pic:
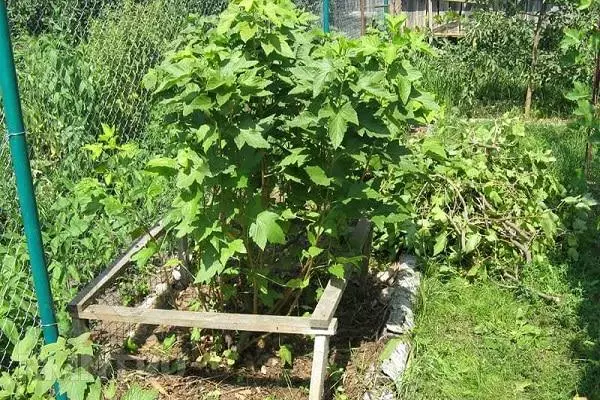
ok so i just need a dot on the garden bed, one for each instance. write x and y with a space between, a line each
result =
260 373
154 333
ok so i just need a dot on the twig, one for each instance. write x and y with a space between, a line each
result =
554 299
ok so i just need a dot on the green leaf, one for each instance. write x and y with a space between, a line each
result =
163 166
196 174
324 71
143 256
472 243
82 344
404 88
280 45
349 113
337 129
95 390
440 244
247 31
23 349
96 149
298 283
201 102
265 229
317 175
295 158
337 270
338 123
233 248
285 354
169 341
9 329
412 73
314 251
433 148
252 138
137 393
584 4
580 92
110 390
246 4
76 383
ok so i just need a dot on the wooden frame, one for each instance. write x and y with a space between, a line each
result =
321 324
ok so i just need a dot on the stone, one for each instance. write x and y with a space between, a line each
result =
402 281
402 296
152 340
386 395
394 366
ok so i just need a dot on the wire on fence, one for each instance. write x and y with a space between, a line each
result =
18 308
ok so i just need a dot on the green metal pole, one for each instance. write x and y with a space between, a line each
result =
326 16
20 160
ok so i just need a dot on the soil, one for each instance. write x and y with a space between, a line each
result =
174 372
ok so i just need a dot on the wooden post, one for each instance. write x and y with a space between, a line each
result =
79 326
534 58
430 14
363 20
319 367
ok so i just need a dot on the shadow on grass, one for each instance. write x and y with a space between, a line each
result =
583 275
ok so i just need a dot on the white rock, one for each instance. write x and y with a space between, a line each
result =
402 297
394 366
176 273
385 295
386 395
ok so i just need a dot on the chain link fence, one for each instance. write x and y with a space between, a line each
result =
80 64
353 17
18 308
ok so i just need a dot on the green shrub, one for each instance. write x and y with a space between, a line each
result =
483 200
278 133
38 368
489 67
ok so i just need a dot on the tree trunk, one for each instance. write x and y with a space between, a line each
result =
363 18
395 7
534 58
589 151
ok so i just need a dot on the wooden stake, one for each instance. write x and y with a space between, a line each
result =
363 22
319 368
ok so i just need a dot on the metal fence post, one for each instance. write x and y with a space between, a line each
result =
326 16
20 160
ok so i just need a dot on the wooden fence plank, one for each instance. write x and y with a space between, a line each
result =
93 289
319 368
207 320
328 303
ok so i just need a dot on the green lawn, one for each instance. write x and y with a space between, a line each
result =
482 341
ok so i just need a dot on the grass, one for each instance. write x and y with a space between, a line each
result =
482 341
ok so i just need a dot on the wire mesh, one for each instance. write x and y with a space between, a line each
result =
353 17
17 304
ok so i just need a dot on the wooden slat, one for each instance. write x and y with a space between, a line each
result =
92 289
319 368
328 303
206 320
